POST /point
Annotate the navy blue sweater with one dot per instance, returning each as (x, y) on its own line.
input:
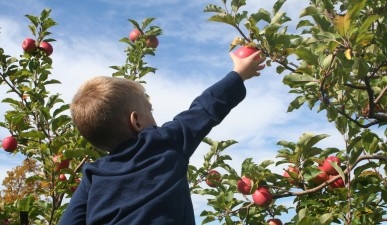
(144, 181)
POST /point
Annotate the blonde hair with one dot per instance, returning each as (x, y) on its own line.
(101, 108)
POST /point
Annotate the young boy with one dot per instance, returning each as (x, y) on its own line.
(142, 181)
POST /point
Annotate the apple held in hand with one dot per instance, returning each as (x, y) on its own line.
(327, 165)
(152, 42)
(245, 51)
(262, 196)
(46, 47)
(29, 45)
(274, 221)
(9, 144)
(213, 178)
(134, 34)
(244, 185)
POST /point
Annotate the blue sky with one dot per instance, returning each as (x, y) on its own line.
(192, 54)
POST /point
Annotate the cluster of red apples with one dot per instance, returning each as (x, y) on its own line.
(327, 172)
(150, 42)
(262, 195)
(29, 45)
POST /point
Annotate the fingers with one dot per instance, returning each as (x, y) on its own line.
(261, 66)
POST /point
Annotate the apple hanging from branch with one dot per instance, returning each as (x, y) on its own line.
(29, 45)
(262, 196)
(9, 144)
(213, 178)
(46, 47)
(244, 185)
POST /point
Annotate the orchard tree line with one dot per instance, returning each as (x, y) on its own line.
(334, 62)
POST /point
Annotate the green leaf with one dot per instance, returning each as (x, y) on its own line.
(236, 4)
(295, 79)
(34, 20)
(262, 14)
(277, 5)
(371, 142)
(296, 103)
(354, 8)
(363, 29)
(135, 24)
(214, 8)
(304, 23)
(277, 18)
(307, 55)
(326, 218)
(309, 11)
(146, 22)
(223, 18)
(61, 109)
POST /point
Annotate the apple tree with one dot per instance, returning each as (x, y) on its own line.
(334, 61)
(40, 127)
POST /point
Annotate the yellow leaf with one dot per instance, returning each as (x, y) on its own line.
(342, 24)
(347, 54)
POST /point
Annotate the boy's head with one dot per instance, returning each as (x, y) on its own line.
(108, 110)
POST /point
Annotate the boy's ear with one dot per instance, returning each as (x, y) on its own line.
(134, 122)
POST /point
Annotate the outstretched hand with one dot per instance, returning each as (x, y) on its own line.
(248, 67)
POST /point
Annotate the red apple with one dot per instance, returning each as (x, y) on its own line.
(9, 144)
(244, 185)
(46, 47)
(75, 185)
(321, 177)
(62, 177)
(274, 221)
(246, 51)
(327, 166)
(338, 183)
(60, 163)
(152, 42)
(262, 196)
(213, 178)
(134, 34)
(293, 171)
(29, 45)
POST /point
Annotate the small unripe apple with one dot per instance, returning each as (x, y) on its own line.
(29, 45)
(46, 47)
(152, 42)
(327, 166)
(60, 163)
(262, 196)
(213, 178)
(244, 185)
(274, 221)
(134, 34)
(245, 51)
(9, 144)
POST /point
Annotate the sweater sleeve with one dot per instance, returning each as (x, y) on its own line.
(189, 127)
(75, 212)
